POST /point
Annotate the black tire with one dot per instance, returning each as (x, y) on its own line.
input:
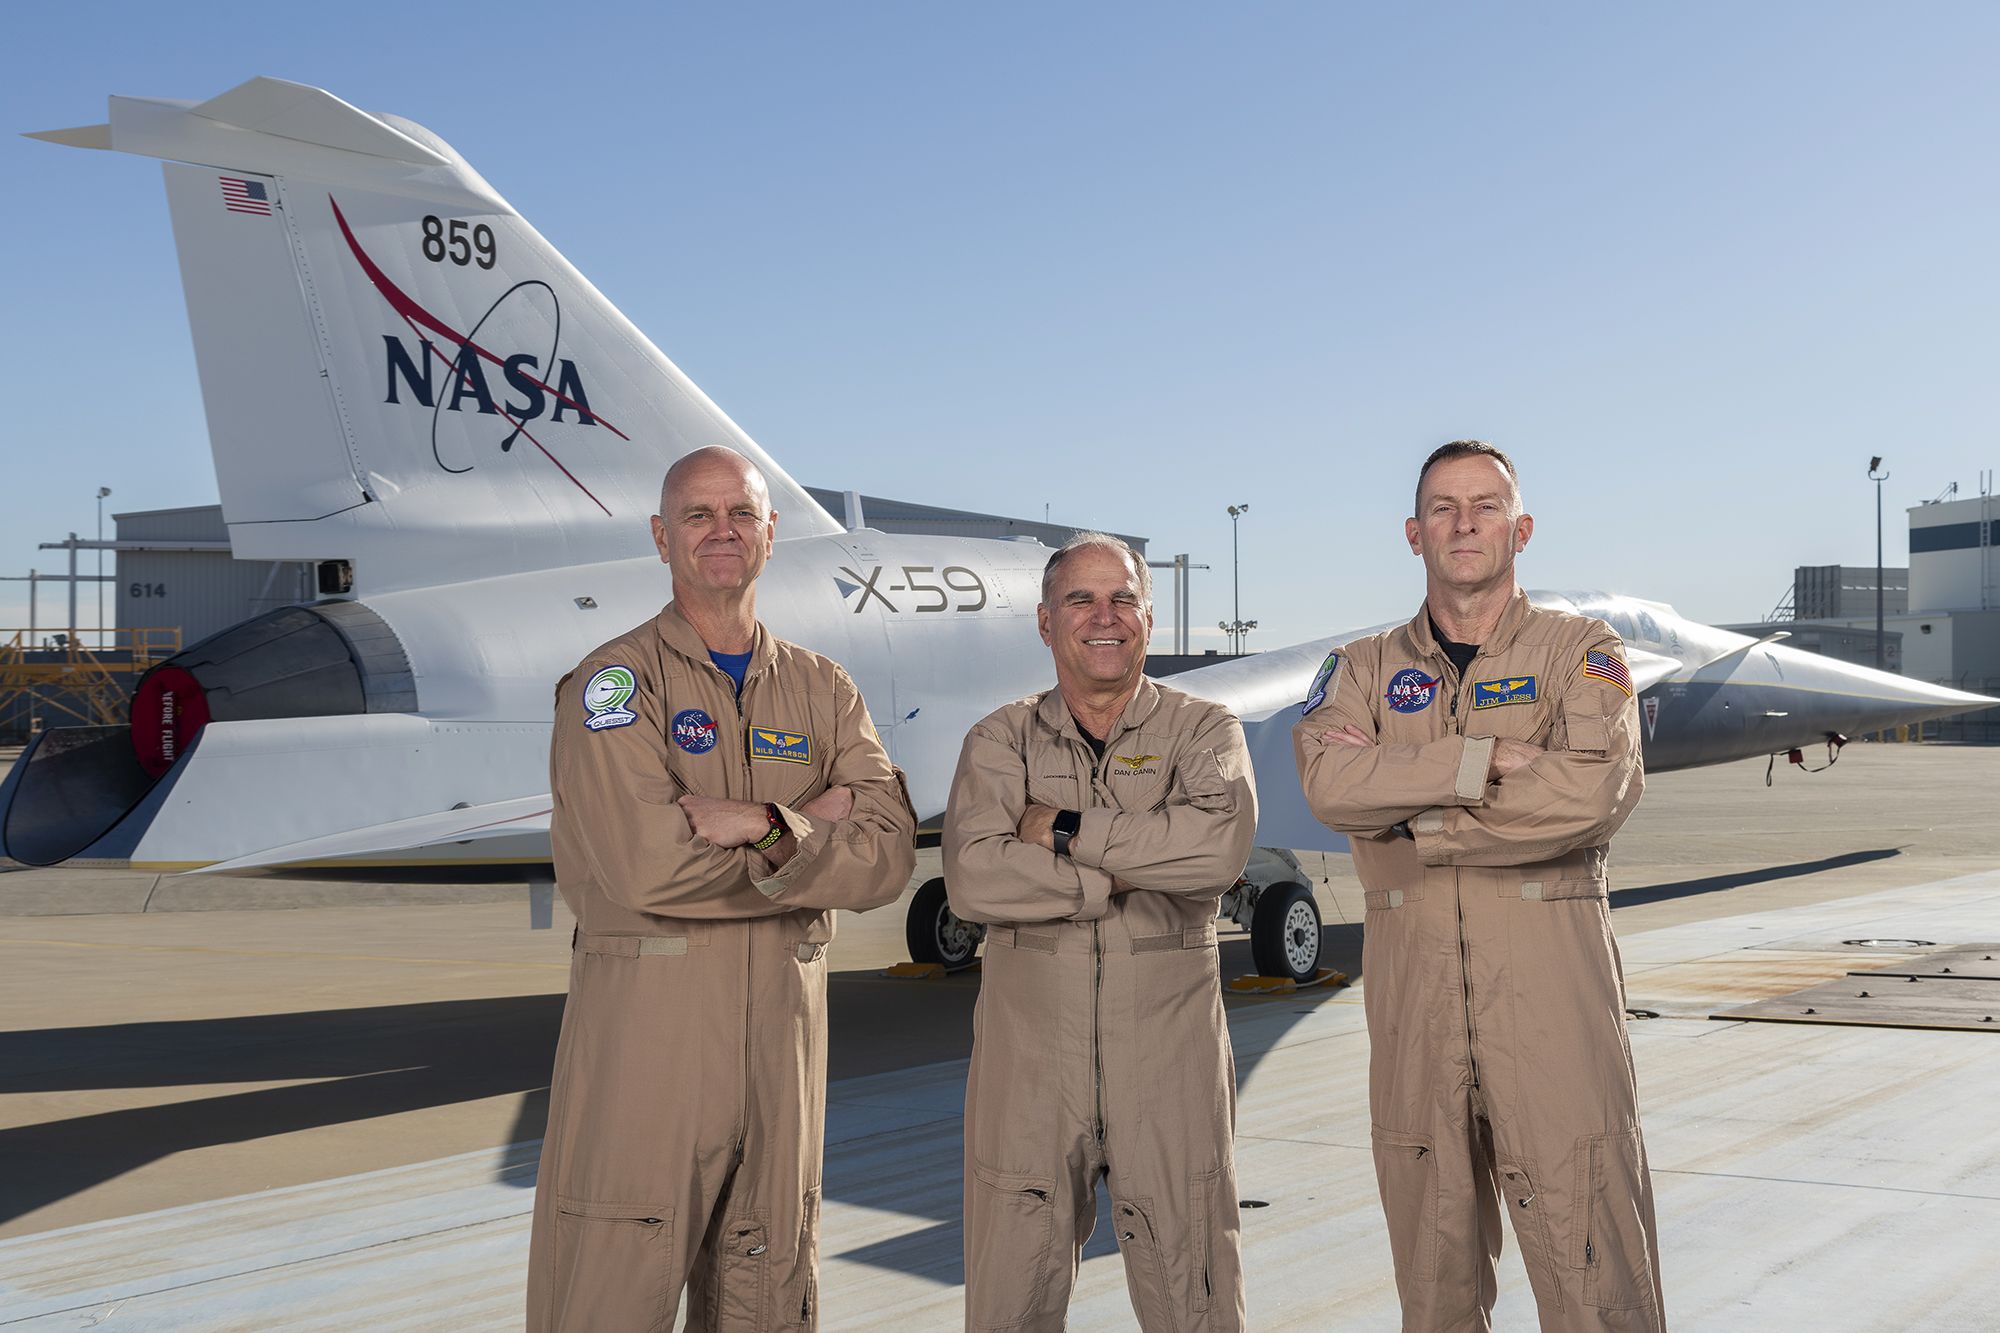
(1285, 932)
(934, 932)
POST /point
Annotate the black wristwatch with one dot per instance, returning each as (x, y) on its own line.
(1401, 828)
(1065, 827)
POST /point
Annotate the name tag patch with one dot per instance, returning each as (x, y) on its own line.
(787, 747)
(1508, 690)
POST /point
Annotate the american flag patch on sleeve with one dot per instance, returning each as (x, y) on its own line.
(1607, 666)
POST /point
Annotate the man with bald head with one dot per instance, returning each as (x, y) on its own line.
(718, 792)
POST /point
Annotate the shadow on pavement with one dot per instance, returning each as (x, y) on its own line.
(365, 1063)
(1686, 888)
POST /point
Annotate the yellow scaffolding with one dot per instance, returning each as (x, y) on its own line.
(77, 685)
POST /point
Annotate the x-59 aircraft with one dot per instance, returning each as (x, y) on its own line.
(406, 382)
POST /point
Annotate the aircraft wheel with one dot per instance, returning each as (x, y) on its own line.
(1284, 934)
(935, 933)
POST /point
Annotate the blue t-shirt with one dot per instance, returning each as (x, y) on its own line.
(736, 664)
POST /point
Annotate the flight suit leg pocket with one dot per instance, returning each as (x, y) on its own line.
(1217, 1275)
(1145, 1265)
(1610, 1222)
(1406, 1171)
(1521, 1195)
(743, 1275)
(800, 1301)
(614, 1265)
(1010, 1221)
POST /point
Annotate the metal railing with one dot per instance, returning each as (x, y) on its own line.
(55, 678)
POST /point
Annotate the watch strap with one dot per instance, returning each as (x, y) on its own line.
(1065, 827)
(776, 833)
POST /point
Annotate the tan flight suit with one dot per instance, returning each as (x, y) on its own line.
(1499, 1076)
(687, 1111)
(1099, 1045)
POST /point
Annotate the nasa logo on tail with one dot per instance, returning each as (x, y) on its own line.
(478, 368)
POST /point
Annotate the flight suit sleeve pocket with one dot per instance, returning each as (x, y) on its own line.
(614, 1264)
(1010, 1226)
(1406, 1173)
(1205, 787)
(1611, 1219)
(1587, 734)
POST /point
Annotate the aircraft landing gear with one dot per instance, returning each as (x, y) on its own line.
(1274, 902)
(1284, 932)
(935, 933)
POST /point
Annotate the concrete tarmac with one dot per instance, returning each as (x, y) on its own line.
(211, 1037)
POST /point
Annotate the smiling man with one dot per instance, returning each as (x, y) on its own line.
(718, 792)
(1480, 758)
(1093, 827)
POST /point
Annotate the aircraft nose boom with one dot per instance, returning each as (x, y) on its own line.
(1852, 698)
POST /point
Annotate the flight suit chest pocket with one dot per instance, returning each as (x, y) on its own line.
(1514, 706)
(1137, 770)
(1051, 784)
(696, 738)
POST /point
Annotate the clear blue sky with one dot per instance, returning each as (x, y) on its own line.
(1692, 264)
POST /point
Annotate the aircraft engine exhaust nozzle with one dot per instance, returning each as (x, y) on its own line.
(73, 786)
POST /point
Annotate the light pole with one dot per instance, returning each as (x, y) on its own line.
(102, 491)
(1237, 629)
(1875, 466)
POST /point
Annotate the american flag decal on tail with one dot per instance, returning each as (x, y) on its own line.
(1607, 666)
(241, 196)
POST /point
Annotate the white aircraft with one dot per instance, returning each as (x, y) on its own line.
(405, 382)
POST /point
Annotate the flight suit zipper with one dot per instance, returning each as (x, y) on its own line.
(1458, 906)
(1097, 986)
(749, 959)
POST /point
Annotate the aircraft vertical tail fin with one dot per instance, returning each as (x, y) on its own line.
(389, 354)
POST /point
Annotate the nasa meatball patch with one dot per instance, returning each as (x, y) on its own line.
(693, 730)
(1411, 691)
(1323, 684)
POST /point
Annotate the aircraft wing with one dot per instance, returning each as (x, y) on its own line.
(1648, 669)
(1266, 689)
(526, 816)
